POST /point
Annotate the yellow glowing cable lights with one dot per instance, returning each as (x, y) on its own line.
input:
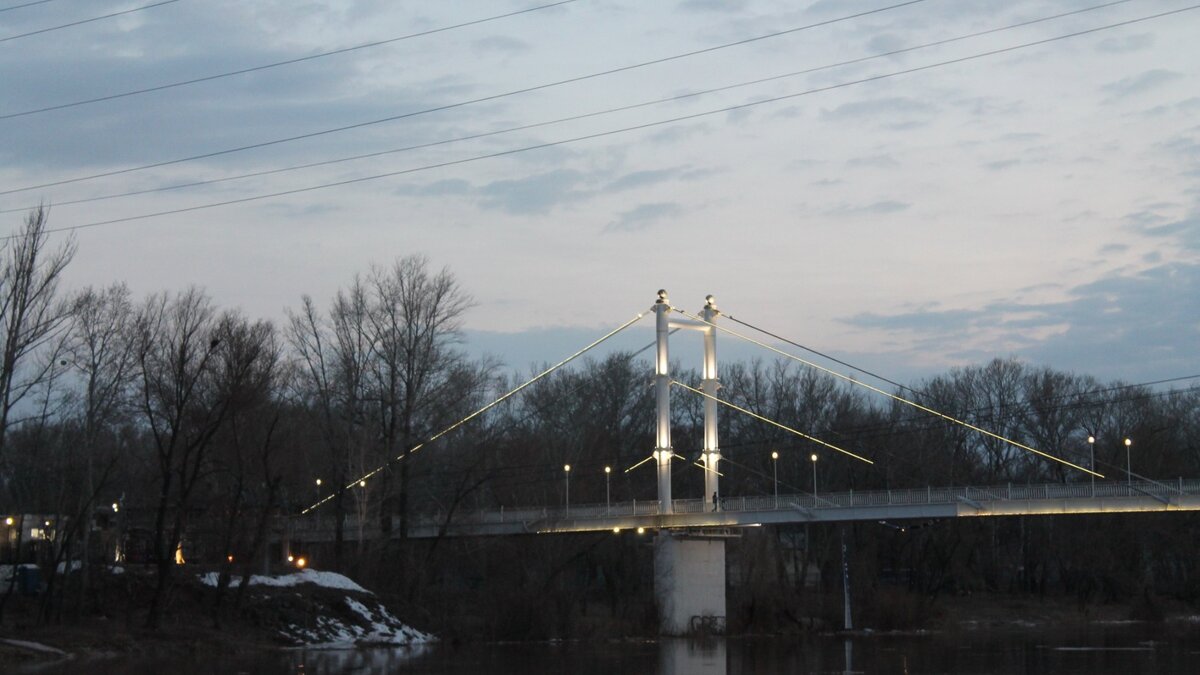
(894, 397)
(771, 422)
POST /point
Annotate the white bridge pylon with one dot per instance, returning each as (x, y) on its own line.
(663, 452)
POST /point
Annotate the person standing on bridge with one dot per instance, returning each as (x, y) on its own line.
(715, 502)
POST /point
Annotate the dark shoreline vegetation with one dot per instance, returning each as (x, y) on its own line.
(143, 433)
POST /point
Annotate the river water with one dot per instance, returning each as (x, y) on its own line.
(1127, 649)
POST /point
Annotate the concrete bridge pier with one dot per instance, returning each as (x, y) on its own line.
(689, 582)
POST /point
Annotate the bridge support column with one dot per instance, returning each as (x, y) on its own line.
(662, 391)
(689, 582)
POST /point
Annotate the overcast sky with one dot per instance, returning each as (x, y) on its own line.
(1041, 203)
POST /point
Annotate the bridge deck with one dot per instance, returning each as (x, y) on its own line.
(912, 504)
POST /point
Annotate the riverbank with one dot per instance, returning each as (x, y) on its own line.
(307, 609)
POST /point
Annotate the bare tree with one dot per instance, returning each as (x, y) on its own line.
(183, 407)
(31, 313)
(100, 350)
(415, 317)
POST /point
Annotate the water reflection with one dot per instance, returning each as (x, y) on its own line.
(693, 657)
(1096, 650)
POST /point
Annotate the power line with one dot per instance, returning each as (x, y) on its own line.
(83, 21)
(612, 132)
(573, 118)
(277, 64)
(459, 104)
(27, 4)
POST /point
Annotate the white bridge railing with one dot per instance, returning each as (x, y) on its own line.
(803, 502)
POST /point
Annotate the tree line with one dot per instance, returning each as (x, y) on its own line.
(199, 427)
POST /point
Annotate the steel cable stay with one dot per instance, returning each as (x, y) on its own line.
(894, 397)
(480, 411)
(770, 421)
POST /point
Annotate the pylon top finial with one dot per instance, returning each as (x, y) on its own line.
(662, 295)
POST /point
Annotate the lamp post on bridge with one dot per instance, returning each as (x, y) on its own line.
(775, 474)
(1092, 465)
(607, 490)
(813, 457)
(567, 480)
(1128, 470)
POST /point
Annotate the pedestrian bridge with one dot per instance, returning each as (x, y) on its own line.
(735, 512)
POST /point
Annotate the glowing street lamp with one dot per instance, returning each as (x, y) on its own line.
(607, 490)
(1128, 471)
(813, 457)
(567, 480)
(775, 474)
(1092, 465)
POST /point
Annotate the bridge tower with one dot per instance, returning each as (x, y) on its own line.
(663, 452)
(689, 568)
(662, 392)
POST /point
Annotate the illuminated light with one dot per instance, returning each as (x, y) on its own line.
(229, 558)
(362, 483)
(318, 482)
(8, 520)
(301, 562)
(616, 530)
(877, 390)
(291, 558)
(179, 555)
(567, 468)
(641, 530)
(1128, 442)
(772, 422)
(47, 523)
(813, 457)
(116, 507)
(774, 455)
(608, 469)
(1091, 439)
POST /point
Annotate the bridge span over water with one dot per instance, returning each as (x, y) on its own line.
(928, 503)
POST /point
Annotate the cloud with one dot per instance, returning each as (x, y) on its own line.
(1125, 43)
(441, 188)
(643, 216)
(1141, 83)
(534, 195)
(1002, 164)
(883, 207)
(874, 161)
(499, 44)
(1148, 319)
(888, 108)
(638, 179)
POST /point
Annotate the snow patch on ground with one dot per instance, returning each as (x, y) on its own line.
(324, 579)
(332, 621)
(34, 646)
(65, 566)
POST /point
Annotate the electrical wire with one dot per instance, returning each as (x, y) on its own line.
(254, 69)
(81, 22)
(575, 118)
(480, 411)
(894, 397)
(451, 106)
(611, 132)
(27, 4)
